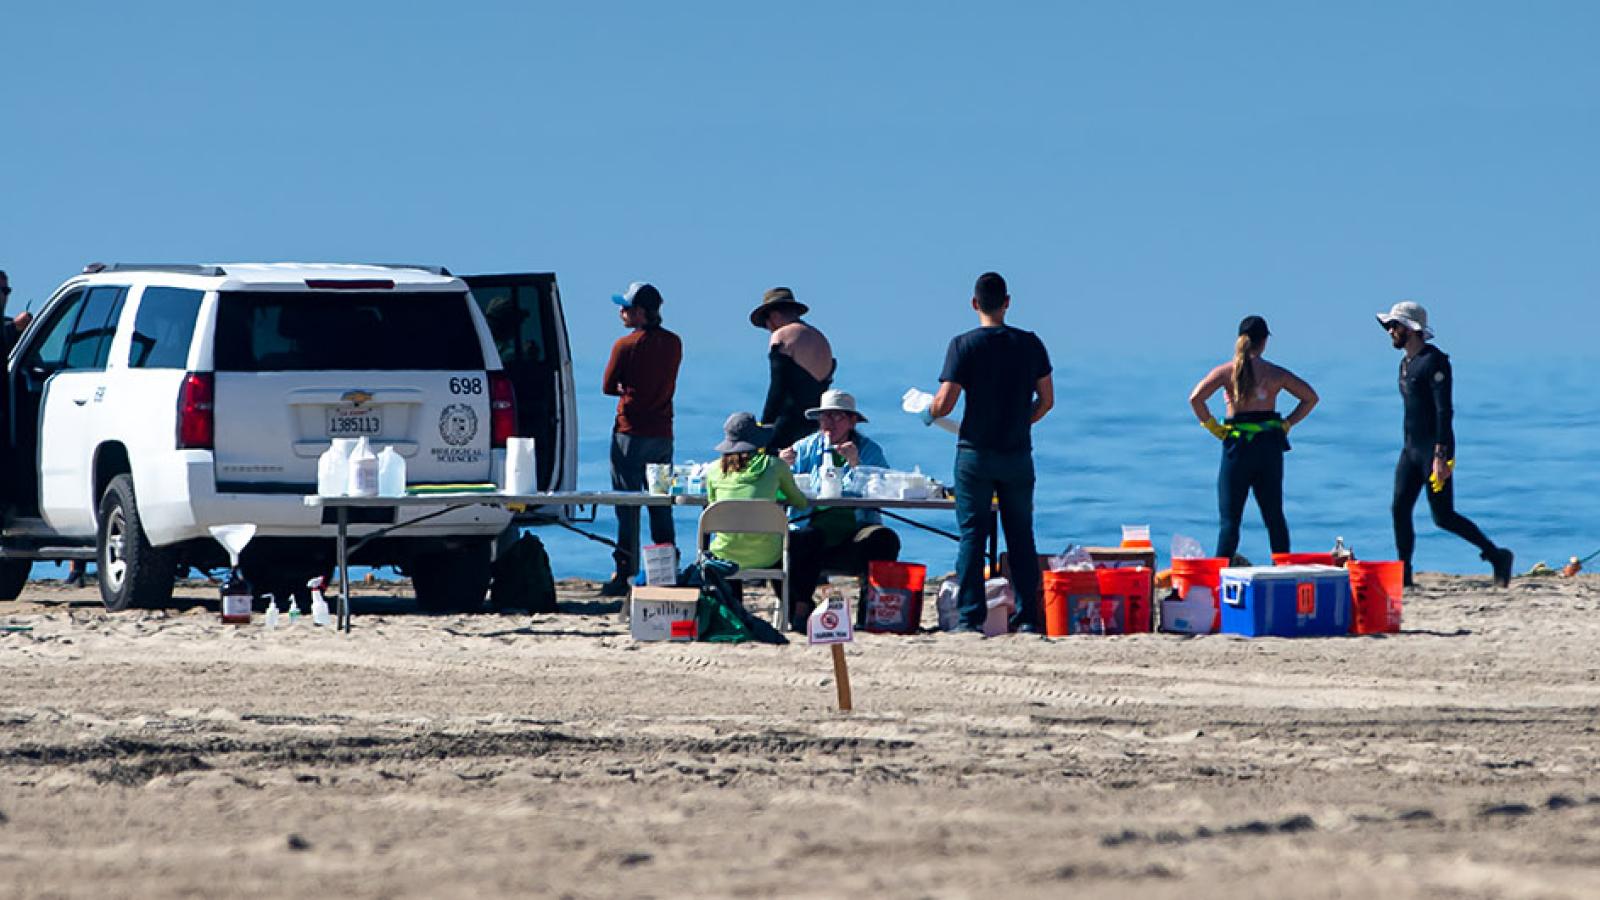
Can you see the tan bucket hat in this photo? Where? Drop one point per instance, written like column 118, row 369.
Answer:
column 836, row 401
column 776, row 298
column 1409, row 314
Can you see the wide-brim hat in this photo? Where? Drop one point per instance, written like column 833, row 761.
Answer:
column 776, row 298
column 1409, row 314
column 836, row 401
column 743, row 434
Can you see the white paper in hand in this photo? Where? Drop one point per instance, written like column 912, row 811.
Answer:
column 916, row 402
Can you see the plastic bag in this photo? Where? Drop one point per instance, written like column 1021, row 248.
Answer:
column 916, row 402
column 1072, row 559
column 1185, row 547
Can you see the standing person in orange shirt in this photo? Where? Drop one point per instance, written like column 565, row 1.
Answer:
column 643, row 374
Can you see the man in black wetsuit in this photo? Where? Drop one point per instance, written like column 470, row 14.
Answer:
column 1429, row 454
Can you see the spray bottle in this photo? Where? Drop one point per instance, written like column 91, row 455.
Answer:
column 319, row 604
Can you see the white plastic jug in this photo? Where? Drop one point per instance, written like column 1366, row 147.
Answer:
column 521, row 469
column 391, row 473
column 333, row 468
column 363, row 470
column 829, row 483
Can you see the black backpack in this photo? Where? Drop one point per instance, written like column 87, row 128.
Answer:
column 523, row 579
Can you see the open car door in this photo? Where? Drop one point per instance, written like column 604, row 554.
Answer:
column 530, row 331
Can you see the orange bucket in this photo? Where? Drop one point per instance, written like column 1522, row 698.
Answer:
column 1376, row 590
column 1060, row 590
column 1133, row 585
column 1198, row 572
column 1303, row 559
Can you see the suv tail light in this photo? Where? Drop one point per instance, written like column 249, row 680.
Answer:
column 502, row 409
column 197, row 412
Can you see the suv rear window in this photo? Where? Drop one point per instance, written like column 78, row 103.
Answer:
column 279, row 331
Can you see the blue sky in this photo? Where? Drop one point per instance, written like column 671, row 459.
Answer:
column 1143, row 173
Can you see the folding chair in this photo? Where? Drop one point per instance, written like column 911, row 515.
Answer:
column 752, row 517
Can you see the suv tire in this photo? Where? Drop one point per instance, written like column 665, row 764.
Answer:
column 14, row 577
column 132, row 573
column 451, row 580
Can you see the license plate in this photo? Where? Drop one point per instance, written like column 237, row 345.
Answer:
column 354, row 421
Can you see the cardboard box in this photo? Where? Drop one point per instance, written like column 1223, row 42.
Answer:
column 653, row 610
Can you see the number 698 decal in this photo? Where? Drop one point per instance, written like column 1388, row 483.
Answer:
column 466, row 385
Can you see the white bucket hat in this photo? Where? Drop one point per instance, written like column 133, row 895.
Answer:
column 836, row 401
column 1409, row 314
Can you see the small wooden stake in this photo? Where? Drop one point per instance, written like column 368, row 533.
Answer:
column 841, row 677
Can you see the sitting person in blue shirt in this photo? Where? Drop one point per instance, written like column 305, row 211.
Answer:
column 842, row 540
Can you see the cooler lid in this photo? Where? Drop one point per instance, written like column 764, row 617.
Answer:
column 1288, row 573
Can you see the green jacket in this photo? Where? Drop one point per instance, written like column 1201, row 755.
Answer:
column 765, row 478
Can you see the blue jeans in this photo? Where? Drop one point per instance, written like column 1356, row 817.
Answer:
column 629, row 455
column 980, row 476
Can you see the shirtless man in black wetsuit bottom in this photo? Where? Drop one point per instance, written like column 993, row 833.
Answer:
column 1429, row 454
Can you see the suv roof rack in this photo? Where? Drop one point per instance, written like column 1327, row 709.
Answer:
column 177, row 268
column 441, row 271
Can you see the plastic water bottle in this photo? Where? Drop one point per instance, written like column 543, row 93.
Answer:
column 319, row 603
column 272, row 612
column 363, row 470
column 1341, row 554
column 391, row 473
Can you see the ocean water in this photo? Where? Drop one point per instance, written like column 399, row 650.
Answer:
column 1121, row 446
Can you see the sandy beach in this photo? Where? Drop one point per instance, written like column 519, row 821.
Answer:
column 163, row 754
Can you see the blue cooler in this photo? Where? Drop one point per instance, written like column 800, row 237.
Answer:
column 1286, row 601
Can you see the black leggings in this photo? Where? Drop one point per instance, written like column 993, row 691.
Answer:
column 1410, row 478
column 1251, row 466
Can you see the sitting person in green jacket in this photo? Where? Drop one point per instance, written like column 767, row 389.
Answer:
column 746, row 472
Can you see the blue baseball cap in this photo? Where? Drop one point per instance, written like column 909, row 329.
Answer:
column 641, row 294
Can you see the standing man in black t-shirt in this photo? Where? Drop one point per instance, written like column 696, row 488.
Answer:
column 1429, row 455
column 1006, row 374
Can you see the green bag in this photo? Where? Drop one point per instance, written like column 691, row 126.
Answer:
column 718, row 615
column 715, row 621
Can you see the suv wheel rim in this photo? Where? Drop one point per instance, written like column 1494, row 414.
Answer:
column 115, row 566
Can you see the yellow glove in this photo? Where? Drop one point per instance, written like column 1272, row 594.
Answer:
column 1218, row 430
column 1433, row 480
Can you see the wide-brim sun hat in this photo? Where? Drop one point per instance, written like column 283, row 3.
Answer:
column 743, row 434
column 776, row 298
column 836, row 401
column 1409, row 314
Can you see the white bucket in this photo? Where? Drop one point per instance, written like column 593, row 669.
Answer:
column 521, row 470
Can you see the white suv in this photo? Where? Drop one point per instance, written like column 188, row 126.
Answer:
column 149, row 402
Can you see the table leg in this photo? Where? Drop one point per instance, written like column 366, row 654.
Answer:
column 340, row 549
column 994, row 543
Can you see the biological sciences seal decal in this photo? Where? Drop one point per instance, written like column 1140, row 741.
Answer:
column 458, row 425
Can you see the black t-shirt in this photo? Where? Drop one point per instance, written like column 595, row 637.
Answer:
column 998, row 368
